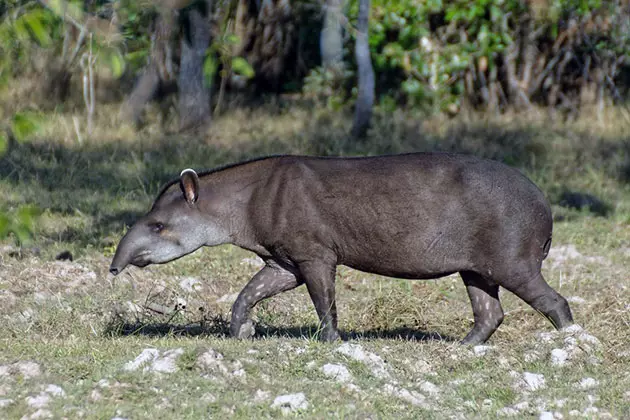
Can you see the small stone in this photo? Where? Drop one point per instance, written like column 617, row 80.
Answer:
column 290, row 403
column 55, row 391
column 559, row 357
column 190, row 284
column 508, row 412
column 261, row 396
column 41, row 414
column 546, row 415
column 534, row 381
column 337, row 372
column 481, row 350
column 412, row 397
column 576, row 299
column 208, row 398
column 28, row 369
column 95, row 395
column 227, row 298
column 588, row 383
column 522, row 406
column 429, row 388
column 5, row 402
column 39, row 401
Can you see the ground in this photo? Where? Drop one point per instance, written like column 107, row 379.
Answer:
column 151, row 343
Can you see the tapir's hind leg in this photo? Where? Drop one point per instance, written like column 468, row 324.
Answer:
column 269, row 281
column 486, row 307
column 534, row 290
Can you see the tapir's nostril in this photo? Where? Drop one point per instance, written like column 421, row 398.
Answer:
column 114, row 270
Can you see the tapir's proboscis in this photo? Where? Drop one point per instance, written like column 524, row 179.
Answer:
column 413, row 216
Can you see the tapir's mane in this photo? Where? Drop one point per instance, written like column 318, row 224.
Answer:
column 212, row 171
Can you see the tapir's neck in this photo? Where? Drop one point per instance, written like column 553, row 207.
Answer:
column 233, row 188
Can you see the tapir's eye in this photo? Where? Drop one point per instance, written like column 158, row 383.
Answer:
column 157, row 227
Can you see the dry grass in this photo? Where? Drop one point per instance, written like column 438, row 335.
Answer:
column 82, row 326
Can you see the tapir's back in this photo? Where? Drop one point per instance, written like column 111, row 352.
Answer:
column 416, row 215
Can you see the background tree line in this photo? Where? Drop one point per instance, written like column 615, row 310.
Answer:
column 437, row 55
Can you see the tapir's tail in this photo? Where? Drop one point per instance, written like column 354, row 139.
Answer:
column 546, row 248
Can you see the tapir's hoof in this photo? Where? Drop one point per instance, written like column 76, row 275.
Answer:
column 247, row 330
column 329, row 336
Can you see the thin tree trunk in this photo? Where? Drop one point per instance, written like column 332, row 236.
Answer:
column 158, row 72
column 331, row 38
column 194, row 94
column 365, row 97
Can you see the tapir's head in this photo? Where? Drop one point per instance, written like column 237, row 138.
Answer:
column 175, row 226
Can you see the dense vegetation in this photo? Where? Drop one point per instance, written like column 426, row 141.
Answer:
column 436, row 55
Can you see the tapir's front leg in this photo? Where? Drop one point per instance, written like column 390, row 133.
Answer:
column 269, row 281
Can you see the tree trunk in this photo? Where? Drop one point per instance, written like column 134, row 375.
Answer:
column 331, row 38
column 194, row 94
column 159, row 71
column 365, row 97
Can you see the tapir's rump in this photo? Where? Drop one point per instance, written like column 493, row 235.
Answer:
column 414, row 216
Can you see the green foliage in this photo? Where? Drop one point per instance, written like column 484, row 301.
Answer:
column 19, row 223
column 422, row 50
column 220, row 53
column 23, row 26
column 24, row 124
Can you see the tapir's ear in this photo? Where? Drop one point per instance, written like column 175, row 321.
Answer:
column 189, row 183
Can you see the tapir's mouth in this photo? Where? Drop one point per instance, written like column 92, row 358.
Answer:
column 141, row 259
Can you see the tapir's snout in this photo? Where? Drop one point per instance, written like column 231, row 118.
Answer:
column 114, row 270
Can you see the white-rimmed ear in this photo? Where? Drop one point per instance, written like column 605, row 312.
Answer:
column 189, row 183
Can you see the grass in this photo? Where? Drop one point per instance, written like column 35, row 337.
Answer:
column 82, row 326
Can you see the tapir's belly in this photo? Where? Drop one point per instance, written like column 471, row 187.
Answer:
column 414, row 256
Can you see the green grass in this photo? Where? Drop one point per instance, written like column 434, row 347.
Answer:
column 79, row 323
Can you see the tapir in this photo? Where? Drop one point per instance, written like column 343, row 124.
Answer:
column 411, row 216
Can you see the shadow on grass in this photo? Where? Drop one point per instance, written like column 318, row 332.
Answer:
column 218, row 327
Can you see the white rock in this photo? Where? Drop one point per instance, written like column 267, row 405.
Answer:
column 481, row 350
column 28, row 369
column 559, row 357
column 531, row 356
column 576, row 299
column 254, row 262
column 95, row 395
column 291, row 402
column 103, row 383
column 261, row 396
column 55, row 391
column 351, row 387
column 412, row 397
column 39, row 401
column 507, row 412
column 588, row 383
column 190, row 284
column 5, row 402
column 239, row 373
column 151, row 361
column 40, row 414
column 227, row 298
column 546, row 415
column 572, row 329
column 533, row 381
column 147, row 356
column 524, row 405
column 429, row 388
column 373, row 361
column 339, row 373
column 208, row 398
